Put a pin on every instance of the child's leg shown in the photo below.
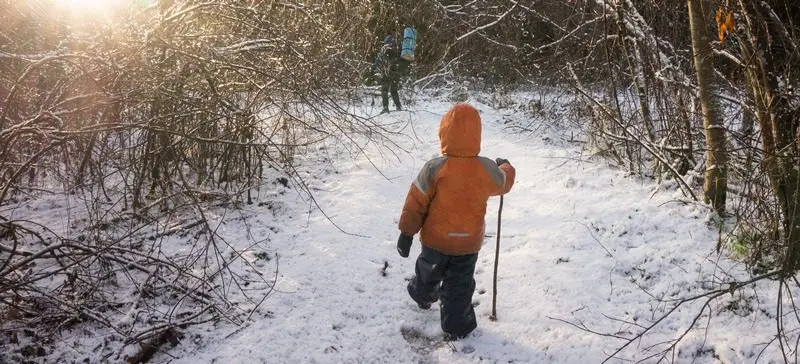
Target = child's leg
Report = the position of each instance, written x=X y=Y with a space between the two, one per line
x=424 y=287
x=458 y=316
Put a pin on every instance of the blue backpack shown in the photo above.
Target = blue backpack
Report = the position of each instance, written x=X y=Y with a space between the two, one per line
x=409 y=43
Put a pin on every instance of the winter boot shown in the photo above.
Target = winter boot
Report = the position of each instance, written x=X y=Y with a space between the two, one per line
x=421 y=304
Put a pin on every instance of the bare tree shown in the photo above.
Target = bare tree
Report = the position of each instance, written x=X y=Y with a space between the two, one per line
x=715 y=185
x=770 y=57
x=145 y=125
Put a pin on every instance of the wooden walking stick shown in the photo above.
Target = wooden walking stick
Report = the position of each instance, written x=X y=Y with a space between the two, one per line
x=493 y=317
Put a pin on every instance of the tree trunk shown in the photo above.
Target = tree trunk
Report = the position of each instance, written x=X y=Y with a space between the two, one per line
x=764 y=45
x=715 y=186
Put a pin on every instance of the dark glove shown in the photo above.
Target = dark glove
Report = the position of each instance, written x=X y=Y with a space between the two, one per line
x=404 y=245
x=501 y=161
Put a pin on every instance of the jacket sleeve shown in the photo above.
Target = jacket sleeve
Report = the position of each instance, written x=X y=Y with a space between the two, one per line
x=418 y=199
x=509 y=174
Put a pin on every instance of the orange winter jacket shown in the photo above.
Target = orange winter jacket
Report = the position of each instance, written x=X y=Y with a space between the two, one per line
x=447 y=201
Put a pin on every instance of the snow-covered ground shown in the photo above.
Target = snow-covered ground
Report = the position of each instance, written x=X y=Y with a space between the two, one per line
x=583 y=245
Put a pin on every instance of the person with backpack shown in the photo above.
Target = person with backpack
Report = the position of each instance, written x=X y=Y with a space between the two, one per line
x=446 y=204
x=408 y=50
x=387 y=67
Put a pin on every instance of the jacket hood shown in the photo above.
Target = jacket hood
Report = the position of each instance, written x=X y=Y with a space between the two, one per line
x=460 y=131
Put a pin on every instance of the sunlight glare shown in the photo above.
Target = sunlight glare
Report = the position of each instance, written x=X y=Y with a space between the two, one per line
x=88 y=8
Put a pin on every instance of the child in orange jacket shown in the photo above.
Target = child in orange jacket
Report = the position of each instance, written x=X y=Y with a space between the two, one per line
x=447 y=204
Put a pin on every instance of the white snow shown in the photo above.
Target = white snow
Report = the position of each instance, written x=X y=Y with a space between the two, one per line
x=582 y=244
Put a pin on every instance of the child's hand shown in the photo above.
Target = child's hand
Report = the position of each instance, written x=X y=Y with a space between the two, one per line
x=404 y=245
x=501 y=161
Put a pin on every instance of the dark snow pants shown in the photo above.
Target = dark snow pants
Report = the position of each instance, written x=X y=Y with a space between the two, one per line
x=388 y=86
x=448 y=278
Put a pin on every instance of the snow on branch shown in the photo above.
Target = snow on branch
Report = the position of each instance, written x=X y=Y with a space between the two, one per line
x=489 y=25
x=637 y=25
x=245 y=46
x=33 y=57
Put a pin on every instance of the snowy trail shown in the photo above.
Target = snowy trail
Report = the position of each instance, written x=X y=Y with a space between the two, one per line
x=579 y=240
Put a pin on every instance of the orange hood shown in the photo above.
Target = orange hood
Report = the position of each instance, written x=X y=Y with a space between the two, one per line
x=460 y=131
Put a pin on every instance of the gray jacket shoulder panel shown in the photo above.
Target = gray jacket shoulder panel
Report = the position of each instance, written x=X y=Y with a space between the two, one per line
x=495 y=173
x=424 y=179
